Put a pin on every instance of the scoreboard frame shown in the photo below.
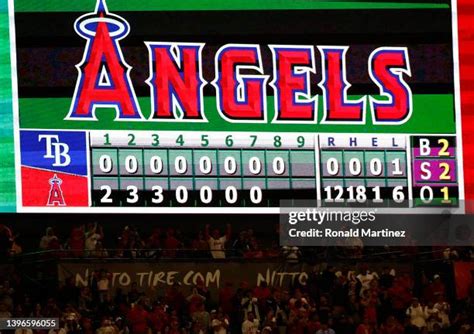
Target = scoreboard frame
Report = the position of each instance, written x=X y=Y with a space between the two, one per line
x=20 y=189
x=119 y=139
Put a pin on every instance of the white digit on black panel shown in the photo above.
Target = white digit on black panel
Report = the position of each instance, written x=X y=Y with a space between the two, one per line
x=328 y=194
x=132 y=194
x=205 y=193
x=255 y=165
x=180 y=165
x=426 y=198
x=340 y=193
x=108 y=191
x=157 y=194
x=377 y=195
x=278 y=166
x=255 y=194
x=181 y=194
x=131 y=164
x=398 y=195
x=156 y=164
x=338 y=190
x=105 y=164
x=205 y=165
x=357 y=194
x=332 y=166
x=231 y=194
x=351 y=197
x=361 y=196
x=230 y=165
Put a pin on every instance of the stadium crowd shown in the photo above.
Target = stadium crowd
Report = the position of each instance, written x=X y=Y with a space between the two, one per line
x=331 y=301
x=334 y=300
x=92 y=240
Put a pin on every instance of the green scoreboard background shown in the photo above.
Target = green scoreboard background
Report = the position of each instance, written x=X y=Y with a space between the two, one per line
x=7 y=151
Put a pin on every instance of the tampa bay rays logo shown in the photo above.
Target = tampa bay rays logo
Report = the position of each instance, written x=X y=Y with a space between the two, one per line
x=104 y=76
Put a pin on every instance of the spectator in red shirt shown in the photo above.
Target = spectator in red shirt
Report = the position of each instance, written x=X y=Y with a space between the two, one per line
x=226 y=296
x=364 y=327
x=313 y=323
x=369 y=302
x=171 y=244
x=174 y=298
x=391 y=326
x=154 y=242
x=194 y=301
x=174 y=326
x=138 y=319
x=159 y=319
x=86 y=324
x=262 y=293
x=273 y=251
x=434 y=289
x=400 y=294
x=76 y=240
x=254 y=252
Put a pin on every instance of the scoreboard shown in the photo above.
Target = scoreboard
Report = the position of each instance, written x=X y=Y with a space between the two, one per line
x=236 y=107
x=245 y=169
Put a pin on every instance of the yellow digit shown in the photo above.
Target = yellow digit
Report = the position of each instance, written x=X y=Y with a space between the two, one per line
x=445 y=174
x=443 y=152
x=445 y=192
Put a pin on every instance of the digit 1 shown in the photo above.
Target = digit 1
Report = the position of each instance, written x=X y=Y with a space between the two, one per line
x=107 y=139
x=328 y=194
x=397 y=167
x=350 y=191
x=377 y=197
x=445 y=191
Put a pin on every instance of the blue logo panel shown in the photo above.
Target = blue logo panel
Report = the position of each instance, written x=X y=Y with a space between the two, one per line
x=62 y=151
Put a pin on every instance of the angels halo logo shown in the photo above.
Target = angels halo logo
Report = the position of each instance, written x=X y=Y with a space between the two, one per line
x=55 y=193
x=104 y=76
